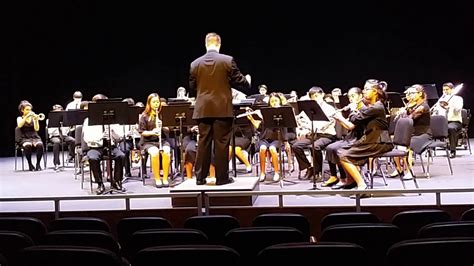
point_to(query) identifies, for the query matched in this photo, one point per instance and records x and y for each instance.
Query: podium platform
(240, 184)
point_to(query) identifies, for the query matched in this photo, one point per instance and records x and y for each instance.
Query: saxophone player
(326, 134)
(153, 140)
(101, 141)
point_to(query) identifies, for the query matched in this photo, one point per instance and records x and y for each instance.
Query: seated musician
(129, 141)
(243, 139)
(269, 138)
(155, 139)
(28, 126)
(451, 106)
(417, 109)
(325, 135)
(355, 98)
(190, 142)
(375, 140)
(57, 134)
(101, 142)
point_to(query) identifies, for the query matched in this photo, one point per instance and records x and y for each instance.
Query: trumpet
(39, 116)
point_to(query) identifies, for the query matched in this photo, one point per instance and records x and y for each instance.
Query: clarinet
(158, 126)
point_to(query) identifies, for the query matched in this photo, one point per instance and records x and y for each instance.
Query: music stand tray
(394, 100)
(312, 110)
(133, 114)
(55, 119)
(431, 93)
(281, 117)
(74, 117)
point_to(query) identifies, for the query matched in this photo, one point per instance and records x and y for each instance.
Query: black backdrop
(131, 49)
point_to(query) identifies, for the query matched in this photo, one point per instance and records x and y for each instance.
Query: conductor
(212, 76)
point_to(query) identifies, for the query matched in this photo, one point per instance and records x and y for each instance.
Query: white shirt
(93, 135)
(454, 110)
(322, 126)
(76, 104)
(54, 131)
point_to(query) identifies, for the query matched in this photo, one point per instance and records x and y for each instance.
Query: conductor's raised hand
(248, 78)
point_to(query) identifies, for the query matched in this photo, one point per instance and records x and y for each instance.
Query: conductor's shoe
(309, 173)
(201, 182)
(119, 187)
(230, 180)
(100, 189)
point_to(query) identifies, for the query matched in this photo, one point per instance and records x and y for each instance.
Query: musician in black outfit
(355, 98)
(418, 110)
(28, 127)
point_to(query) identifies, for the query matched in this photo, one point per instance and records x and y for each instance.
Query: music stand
(394, 100)
(55, 119)
(74, 117)
(315, 113)
(172, 101)
(177, 116)
(108, 113)
(431, 94)
(281, 117)
(258, 98)
(132, 119)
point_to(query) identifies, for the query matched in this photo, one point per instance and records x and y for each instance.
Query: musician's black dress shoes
(230, 180)
(200, 182)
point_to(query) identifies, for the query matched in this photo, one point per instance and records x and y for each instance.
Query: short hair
(314, 90)
(448, 84)
(98, 97)
(129, 101)
(57, 107)
(355, 90)
(213, 38)
(77, 95)
(262, 86)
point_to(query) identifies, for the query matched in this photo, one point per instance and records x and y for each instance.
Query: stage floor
(48, 183)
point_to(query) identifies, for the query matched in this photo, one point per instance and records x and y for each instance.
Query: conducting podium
(279, 118)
